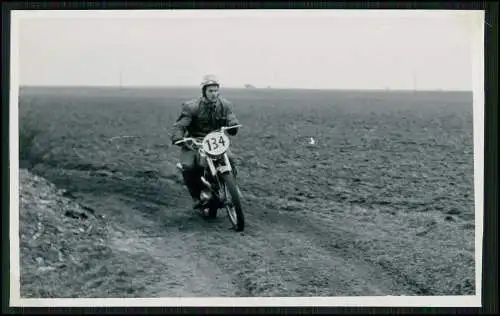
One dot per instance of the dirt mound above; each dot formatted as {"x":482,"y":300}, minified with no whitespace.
{"x":70,"y":250}
{"x":59,"y":238}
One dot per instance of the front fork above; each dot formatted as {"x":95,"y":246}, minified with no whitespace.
{"x":214,"y":171}
{"x":221,"y":169}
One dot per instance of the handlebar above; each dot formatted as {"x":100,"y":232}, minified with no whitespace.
{"x":197,"y":142}
{"x":189,"y":139}
{"x":225,"y":128}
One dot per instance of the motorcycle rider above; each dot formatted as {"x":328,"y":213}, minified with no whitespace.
{"x":199,"y":117}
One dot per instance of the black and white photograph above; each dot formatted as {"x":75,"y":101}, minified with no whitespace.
{"x":246,"y":157}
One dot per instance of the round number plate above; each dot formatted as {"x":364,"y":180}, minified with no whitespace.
{"x":215,"y":143}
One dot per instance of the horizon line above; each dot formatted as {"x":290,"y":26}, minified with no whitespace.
{"x":242,"y":88}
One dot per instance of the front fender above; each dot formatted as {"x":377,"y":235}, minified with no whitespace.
{"x":224,"y":169}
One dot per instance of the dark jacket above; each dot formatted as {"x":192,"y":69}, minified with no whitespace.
{"x":199,"y":117}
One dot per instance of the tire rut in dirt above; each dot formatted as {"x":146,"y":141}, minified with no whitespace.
{"x":290,"y":257}
{"x":278,"y":255}
{"x":166,"y":241}
{"x":340,"y":242}
{"x":182,"y":272}
{"x":280,"y":260}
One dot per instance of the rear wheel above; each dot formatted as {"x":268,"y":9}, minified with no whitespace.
{"x":233,"y":202}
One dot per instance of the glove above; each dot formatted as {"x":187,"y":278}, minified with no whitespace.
{"x":231,"y":132}
{"x":186,"y":145}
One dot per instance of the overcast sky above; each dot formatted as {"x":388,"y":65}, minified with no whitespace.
{"x":294,"y":49}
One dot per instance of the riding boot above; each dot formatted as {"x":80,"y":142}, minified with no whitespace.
{"x":192,"y":183}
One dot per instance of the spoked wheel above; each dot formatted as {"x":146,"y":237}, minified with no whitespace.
{"x":233,"y":202}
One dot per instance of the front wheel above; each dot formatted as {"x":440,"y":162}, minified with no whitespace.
{"x":233,"y":202}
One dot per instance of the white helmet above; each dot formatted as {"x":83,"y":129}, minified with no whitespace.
{"x":209,"y":80}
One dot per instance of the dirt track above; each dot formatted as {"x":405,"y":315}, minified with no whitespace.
{"x":164,"y":249}
{"x":371,"y":219}
{"x":280,"y":254}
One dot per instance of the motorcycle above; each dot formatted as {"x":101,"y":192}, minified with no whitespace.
{"x":220,"y":189}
